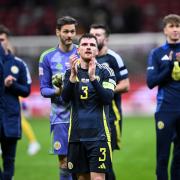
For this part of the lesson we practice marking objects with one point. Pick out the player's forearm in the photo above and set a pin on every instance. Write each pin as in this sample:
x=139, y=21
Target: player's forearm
x=157, y=79
x=48, y=92
x=20, y=90
x=106, y=95
x=122, y=86
x=67, y=91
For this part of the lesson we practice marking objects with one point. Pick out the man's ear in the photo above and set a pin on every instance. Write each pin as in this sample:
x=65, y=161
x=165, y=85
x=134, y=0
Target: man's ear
x=164, y=30
x=57, y=32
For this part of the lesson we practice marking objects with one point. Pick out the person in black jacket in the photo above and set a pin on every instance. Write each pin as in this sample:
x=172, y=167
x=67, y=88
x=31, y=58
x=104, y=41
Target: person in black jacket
x=17, y=82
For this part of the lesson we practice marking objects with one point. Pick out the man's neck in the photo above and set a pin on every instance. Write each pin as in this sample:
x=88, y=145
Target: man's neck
x=170, y=41
x=65, y=48
x=103, y=51
x=84, y=64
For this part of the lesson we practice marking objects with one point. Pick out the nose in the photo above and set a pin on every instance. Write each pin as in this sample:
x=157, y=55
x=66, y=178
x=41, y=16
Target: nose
x=88, y=46
x=70, y=34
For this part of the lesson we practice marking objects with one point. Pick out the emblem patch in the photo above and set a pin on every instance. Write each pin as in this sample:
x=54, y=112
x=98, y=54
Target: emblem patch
x=160, y=125
x=57, y=145
x=14, y=69
x=70, y=165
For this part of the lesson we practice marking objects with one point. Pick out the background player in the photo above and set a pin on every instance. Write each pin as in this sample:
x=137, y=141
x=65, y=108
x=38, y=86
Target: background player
x=17, y=83
x=53, y=64
x=163, y=71
x=2, y=58
x=113, y=60
x=34, y=145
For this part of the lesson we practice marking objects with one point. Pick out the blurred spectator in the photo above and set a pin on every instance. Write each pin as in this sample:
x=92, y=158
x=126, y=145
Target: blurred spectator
x=36, y=17
x=132, y=17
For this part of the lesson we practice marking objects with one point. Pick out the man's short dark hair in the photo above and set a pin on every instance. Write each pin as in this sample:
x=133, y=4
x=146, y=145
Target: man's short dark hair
x=171, y=18
x=4, y=30
x=65, y=20
x=101, y=26
x=88, y=35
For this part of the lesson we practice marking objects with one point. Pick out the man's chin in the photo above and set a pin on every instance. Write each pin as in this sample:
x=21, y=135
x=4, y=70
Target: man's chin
x=68, y=43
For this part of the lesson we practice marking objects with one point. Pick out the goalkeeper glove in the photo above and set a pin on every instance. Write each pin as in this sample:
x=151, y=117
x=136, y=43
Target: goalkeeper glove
x=57, y=80
x=176, y=71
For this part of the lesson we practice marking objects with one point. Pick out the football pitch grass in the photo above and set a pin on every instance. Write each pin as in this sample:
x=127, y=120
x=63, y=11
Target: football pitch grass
x=135, y=160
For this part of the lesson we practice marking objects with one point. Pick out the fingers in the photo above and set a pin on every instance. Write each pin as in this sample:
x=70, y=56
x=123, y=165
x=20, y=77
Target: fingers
x=73, y=58
x=171, y=55
x=92, y=69
x=178, y=56
x=9, y=80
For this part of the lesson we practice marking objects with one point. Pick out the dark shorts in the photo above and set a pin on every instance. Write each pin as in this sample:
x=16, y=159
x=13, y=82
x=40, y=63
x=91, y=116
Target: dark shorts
x=85, y=157
x=59, y=138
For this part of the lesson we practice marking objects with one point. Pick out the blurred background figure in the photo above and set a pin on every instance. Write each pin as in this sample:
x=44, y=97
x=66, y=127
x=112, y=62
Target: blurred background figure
x=163, y=71
x=17, y=82
x=34, y=146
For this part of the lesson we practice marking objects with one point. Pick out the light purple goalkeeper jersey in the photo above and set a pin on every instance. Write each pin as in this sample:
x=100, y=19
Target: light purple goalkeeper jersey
x=51, y=62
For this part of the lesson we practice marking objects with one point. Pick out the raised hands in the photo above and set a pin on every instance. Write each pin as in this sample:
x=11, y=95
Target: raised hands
x=73, y=65
x=92, y=69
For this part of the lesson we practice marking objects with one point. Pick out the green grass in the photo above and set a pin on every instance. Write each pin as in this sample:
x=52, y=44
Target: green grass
x=135, y=161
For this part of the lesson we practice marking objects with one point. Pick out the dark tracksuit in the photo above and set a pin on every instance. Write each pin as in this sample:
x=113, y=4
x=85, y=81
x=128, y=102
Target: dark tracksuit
x=167, y=115
x=1, y=91
x=11, y=122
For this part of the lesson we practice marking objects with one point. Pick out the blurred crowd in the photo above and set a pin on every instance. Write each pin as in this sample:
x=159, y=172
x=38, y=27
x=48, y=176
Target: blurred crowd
x=38, y=17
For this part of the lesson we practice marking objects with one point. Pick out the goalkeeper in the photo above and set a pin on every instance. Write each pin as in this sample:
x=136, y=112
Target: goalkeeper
x=53, y=63
x=163, y=71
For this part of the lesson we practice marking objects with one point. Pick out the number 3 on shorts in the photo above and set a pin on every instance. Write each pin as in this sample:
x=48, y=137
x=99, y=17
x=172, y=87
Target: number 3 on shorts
x=103, y=152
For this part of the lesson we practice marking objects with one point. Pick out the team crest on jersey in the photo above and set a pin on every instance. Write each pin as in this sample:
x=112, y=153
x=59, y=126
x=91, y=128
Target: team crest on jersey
x=57, y=145
x=98, y=78
x=84, y=80
x=14, y=69
x=70, y=165
x=160, y=125
x=59, y=66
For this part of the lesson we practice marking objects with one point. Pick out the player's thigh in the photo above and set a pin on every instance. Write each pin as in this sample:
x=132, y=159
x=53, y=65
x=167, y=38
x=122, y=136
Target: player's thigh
x=77, y=158
x=99, y=176
x=84, y=176
x=165, y=129
x=59, y=134
x=99, y=154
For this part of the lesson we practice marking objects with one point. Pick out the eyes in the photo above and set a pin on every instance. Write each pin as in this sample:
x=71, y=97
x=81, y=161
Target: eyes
x=1, y=39
x=69, y=31
x=173, y=25
x=90, y=44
